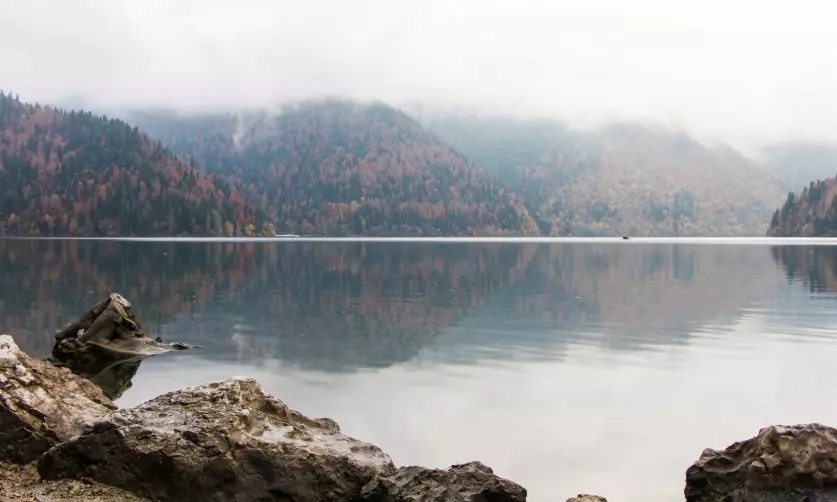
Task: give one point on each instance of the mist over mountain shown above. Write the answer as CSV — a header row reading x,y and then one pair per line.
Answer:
x,y
797,163
622,178
714,69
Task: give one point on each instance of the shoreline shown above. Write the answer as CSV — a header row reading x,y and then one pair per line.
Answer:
x,y
692,240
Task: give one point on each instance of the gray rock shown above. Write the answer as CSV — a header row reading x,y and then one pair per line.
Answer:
x,y
471,482
782,463
41,405
583,497
223,441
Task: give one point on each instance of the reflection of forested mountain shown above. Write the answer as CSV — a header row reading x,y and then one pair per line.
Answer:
x,y
623,297
321,304
340,306
353,305
45,283
816,266
654,292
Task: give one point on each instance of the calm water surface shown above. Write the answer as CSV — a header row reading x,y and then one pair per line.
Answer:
x,y
568,367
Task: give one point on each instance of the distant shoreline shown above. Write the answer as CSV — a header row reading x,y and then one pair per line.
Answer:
x,y
796,241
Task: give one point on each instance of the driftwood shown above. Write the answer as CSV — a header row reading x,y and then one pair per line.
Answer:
x,y
107,344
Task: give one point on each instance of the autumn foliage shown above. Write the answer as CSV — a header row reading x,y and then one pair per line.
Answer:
x,y
73,173
810,213
338,168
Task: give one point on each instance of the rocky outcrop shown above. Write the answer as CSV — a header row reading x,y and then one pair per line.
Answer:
x,y
224,441
42,405
782,463
583,497
471,482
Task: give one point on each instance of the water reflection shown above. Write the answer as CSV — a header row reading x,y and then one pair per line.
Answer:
x,y
342,306
816,266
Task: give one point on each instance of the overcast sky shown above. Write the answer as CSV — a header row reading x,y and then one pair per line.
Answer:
x,y
740,70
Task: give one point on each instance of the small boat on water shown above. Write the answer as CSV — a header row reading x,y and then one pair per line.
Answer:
x,y
625,237
287,235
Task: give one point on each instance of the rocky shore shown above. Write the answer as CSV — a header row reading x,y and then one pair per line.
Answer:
x,y
63,439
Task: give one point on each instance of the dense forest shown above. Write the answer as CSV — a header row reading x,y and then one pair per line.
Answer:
x,y
74,173
624,178
812,213
340,168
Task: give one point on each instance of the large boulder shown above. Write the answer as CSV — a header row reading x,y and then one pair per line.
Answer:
x,y
782,463
471,482
223,441
41,405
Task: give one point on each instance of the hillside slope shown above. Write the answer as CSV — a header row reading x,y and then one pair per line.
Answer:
x,y
626,178
812,213
73,173
340,168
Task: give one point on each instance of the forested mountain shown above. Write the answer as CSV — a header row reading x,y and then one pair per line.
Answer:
x,y
811,213
73,173
625,178
341,168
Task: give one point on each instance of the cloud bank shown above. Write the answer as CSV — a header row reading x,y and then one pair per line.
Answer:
x,y
743,71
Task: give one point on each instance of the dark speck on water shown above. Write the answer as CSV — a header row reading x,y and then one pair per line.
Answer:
x,y
608,368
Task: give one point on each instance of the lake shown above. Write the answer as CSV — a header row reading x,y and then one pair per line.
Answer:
x,y
568,366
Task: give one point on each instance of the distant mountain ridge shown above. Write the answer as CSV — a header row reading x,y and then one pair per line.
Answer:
x,y
624,178
796,163
343,168
72,173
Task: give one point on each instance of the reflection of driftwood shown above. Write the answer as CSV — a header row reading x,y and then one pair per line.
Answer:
x,y
106,345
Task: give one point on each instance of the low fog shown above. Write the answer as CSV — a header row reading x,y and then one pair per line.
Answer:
x,y
744,71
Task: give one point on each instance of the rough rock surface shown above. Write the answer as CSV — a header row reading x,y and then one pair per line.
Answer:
x,y
471,482
583,497
223,441
41,404
782,463
21,483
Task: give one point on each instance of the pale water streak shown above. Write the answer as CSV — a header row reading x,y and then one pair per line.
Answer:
x,y
570,367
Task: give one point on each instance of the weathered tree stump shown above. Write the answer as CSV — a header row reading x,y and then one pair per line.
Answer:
x,y
106,345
